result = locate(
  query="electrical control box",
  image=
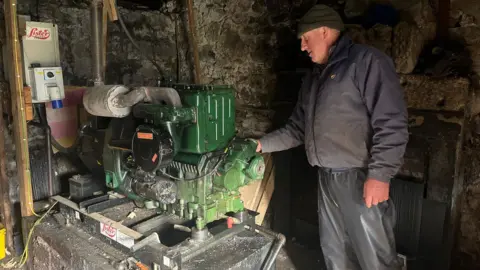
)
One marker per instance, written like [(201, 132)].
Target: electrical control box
[(47, 85), (41, 60)]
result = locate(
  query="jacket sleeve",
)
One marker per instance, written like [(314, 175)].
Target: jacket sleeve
[(292, 134), (384, 98)]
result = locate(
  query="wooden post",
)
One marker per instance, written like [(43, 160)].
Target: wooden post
[(18, 107), (193, 40), (5, 188), (111, 10)]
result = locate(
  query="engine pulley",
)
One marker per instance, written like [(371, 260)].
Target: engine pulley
[(152, 148)]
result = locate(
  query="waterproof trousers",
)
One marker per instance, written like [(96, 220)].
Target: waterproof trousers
[(353, 236)]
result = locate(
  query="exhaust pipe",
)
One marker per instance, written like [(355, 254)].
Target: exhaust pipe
[(96, 21), (117, 100)]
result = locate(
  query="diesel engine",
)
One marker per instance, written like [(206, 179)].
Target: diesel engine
[(174, 148)]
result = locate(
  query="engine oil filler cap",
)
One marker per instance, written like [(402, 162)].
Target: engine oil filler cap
[(152, 148)]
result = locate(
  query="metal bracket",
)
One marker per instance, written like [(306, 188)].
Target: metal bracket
[(151, 239)]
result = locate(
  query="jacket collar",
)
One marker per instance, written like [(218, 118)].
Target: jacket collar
[(338, 52), (341, 49)]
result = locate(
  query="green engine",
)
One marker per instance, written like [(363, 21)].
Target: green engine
[(175, 149)]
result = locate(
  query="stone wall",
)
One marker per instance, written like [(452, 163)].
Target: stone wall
[(468, 241), (468, 256), (236, 43), (468, 251)]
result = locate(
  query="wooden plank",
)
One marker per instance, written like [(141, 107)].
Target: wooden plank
[(18, 110), (247, 194), (257, 195), (251, 193), (263, 184), (265, 199)]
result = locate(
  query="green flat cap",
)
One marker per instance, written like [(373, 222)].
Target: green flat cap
[(319, 16)]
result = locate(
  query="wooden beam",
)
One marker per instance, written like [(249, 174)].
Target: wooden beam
[(111, 10), (193, 41), (18, 110)]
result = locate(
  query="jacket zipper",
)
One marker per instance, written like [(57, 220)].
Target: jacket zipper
[(321, 79)]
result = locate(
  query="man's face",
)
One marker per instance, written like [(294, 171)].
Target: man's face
[(316, 44)]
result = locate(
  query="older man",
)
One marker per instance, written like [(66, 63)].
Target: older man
[(352, 118)]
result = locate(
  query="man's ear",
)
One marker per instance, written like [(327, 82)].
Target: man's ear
[(323, 31)]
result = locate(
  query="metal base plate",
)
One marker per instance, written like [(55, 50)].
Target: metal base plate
[(234, 248)]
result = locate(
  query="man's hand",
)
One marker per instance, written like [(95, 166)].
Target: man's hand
[(375, 192), (259, 147)]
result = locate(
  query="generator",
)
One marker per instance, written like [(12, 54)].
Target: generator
[(174, 150)]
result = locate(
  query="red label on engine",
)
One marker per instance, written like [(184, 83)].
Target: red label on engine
[(154, 157), (145, 136)]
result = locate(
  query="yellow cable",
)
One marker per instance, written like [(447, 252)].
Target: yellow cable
[(24, 257), (29, 192)]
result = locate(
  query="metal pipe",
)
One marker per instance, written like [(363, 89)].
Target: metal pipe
[(48, 132), (96, 22), (277, 246), (131, 98), (155, 95), (193, 34)]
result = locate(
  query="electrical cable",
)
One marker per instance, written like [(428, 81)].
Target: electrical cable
[(14, 263), (29, 191), (132, 40)]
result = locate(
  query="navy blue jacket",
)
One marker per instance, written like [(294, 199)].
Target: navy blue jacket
[(349, 114)]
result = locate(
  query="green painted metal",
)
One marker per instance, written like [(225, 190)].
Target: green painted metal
[(215, 117), (204, 131)]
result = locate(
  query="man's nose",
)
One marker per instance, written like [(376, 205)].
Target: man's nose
[(303, 46)]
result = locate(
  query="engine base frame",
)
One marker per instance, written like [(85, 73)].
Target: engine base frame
[(228, 248)]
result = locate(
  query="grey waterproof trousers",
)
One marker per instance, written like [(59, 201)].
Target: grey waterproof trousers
[(353, 236)]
